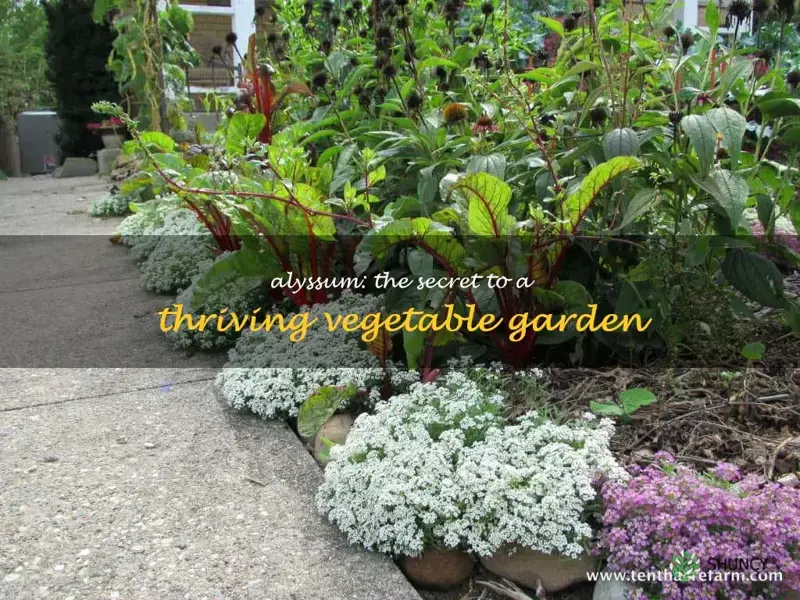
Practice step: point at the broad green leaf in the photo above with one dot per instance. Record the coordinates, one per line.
(731, 195)
(780, 107)
(427, 187)
(577, 203)
(414, 347)
(234, 274)
(582, 67)
(753, 351)
(634, 398)
(703, 136)
(493, 164)
(754, 276)
(620, 142)
(606, 409)
(320, 407)
(243, 128)
(575, 297)
(169, 161)
(732, 126)
(791, 135)
(157, 141)
(639, 205)
(553, 24)
(541, 74)
(432, 237)
(487, 200)
(436, 61)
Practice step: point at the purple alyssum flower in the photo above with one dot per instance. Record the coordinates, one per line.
(730, 522)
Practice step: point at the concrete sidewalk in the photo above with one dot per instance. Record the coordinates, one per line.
(138, 483)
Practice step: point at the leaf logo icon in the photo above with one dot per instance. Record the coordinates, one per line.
(685, 566)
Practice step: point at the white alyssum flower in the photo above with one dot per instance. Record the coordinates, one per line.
(272, 376)
(149, 216)
(440, 465)
(110, 205)
(530, 483)
(393, 486)
(173, 253)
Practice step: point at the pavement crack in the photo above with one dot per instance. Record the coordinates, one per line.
(103, 395)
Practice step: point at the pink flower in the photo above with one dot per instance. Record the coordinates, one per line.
(484, 125)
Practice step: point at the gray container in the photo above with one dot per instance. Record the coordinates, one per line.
(38, 150)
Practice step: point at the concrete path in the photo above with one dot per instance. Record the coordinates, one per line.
(138, 483)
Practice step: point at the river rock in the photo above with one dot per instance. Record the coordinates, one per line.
(335, 429)
(438, 569)
(612, 590)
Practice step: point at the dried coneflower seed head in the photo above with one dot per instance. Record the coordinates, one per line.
(303, 20)
(793, 78)
(286, 36)
(217, 50)
(380, 62)
(414, 100)
(598, 115)
(668, 31)
(675, 117)
(487, 8)
(272, 37)
(440, 72)
(765, 55)
(402, 22)
(349, 13)
(358, 5)
(260, 10)
(383, 31)
(476, 30)
(231, 38)
(401, 3)
(389, 71)
(740, 9)
(336, 21)
(319, 80)
(570, 23)
(454, 112)
(327, 6)
(760, 6)
(326, 46)
(687, 39)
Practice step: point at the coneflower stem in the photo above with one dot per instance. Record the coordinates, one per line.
(399, 94)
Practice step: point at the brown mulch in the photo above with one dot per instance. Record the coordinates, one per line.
(749, 417)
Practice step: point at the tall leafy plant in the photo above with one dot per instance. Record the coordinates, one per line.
(77, 49)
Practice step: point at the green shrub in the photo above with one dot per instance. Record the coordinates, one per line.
(77, 50)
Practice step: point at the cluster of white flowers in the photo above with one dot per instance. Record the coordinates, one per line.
(440, 465)
(392, 486)
(529, 484)
(172, 254)
(110, 205)
(211, 338)
(148, 218)
(259, 376)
